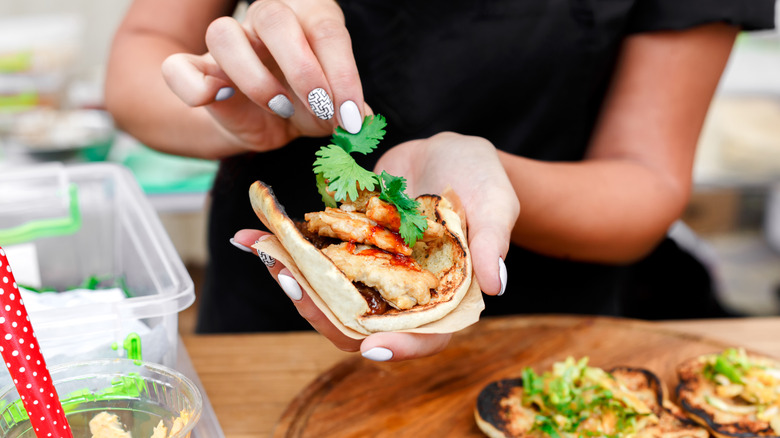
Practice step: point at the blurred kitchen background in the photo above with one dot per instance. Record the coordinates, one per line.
(52, 61)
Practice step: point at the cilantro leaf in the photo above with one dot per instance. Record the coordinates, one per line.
(365, 141)
(413, 224)
(345, 176)
(393, 191)
(322, 188)
(343, 172)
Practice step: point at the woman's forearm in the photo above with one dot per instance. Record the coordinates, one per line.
(636, 179)
(611, 211)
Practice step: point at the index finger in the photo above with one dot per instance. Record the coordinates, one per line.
(278, 27)
(304, 304)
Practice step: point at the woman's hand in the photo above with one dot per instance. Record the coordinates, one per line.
(378, 346)
(471, 167)
(286, 71)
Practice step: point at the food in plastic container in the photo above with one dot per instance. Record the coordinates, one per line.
(137, 398)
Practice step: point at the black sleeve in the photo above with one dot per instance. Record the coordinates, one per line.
(651, 15)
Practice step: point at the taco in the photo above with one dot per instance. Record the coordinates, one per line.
(378, 260)
(577, 400)
(733, 393)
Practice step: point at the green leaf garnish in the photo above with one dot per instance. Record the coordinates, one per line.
(345, 176)
(365, 141)
(570, 394)
(322, 188)
(722, 366)
(547, 425)
(413, 224)
(343, 173)
(732, 363)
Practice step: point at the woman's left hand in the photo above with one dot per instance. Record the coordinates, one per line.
(471, 167)
(378, 346)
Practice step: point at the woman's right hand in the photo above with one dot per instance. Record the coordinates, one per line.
(286, 71)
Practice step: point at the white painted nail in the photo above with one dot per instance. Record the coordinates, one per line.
(320, 104)
(350, 117)
(290, 287)
(502, 275)
(378, 354)
(224, 93)
(240, 246)
(282, 106)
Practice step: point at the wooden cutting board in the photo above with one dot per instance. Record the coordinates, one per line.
(435, 396)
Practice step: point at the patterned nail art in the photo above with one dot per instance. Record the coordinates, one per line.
(266, 258)
(282, 106)
(321, 104)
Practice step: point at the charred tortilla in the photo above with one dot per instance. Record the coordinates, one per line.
(447, 258)
(502, 412)
(732, 393)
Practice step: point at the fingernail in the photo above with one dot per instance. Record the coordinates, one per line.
(290, 287)
(378, 354)
(266, 258)
(502, 275)
(224, 93)
(240, 246)
(282, 106)
(350, 117)
(320, 104)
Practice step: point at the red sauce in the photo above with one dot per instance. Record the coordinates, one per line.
(395, 259)
(395, 222)
(398, 242)
(387, 215)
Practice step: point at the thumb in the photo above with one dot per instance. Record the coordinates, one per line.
(489, 234)
(196, 80)
(489, 246)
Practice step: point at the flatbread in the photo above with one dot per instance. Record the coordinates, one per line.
(698, 396)
(500, 413)
(449, 260)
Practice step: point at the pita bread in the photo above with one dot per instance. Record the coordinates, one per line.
(447, 258)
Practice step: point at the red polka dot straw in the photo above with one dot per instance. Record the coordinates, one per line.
(23, 358)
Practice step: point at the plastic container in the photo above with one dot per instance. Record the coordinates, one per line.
(61, 225)
(139, 394)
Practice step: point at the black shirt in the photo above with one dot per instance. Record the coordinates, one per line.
(528, 75)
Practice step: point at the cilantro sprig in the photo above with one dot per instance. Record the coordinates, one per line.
(338, 173)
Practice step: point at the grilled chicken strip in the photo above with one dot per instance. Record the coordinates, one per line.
(360, 203)
(355, 227)
(399, 279)
(386, 214)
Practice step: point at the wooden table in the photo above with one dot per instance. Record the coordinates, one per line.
(250, 379)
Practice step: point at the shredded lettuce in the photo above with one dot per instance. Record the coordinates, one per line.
(566, 397)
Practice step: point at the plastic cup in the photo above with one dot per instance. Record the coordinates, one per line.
(140, 394)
